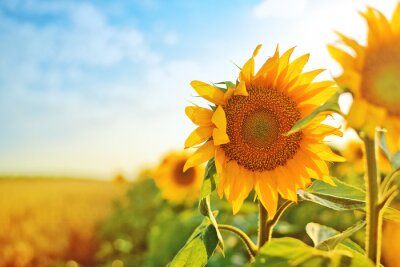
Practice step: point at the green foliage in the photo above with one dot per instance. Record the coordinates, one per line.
(327, 238)
(210, 179)
(141, 224)
(168, 235)
(205, 209)
(199, 247)
(124, 232)
(290, 252)
(342, 197)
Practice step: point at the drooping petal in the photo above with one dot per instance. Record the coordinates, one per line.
(200, 116)
(324, 152)
(202, 154)
(199, 135)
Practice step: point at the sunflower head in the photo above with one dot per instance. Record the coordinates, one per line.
(177, 185)
(372, 74)
(245, 131)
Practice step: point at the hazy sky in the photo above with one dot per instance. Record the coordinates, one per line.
(93, 87)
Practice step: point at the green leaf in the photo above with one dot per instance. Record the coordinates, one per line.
(210, 179)
(227, 84)
(331, 105)
(340, 197)
(326, 238)
(199, 247)
(205, 209)
(290, 252)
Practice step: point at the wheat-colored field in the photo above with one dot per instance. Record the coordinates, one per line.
(44, 221)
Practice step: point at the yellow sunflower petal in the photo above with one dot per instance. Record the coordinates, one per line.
(358, 114)
(321, 130)
(284, 59)
(297, 65)
(324, 152)
(346, 60)
(395, 21)
(229, 93)
(200, 116)
(318, 96)
(220, 137)
(241, 89)
(208, 92)
(269, 64)
(240, 187)
(267, 194)
(308, 77)
(358, 49)
(198, 136)
(247, 72)
(270, 76)
(202, 154)
(285, 185)
(219, 118)
(351, 80)
(220, 159)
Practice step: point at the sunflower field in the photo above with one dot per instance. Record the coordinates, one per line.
(284, 164)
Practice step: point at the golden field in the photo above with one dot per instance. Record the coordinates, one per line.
(45, 222)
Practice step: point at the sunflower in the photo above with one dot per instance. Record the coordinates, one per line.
(176, 185)
(372, 74)
(245, 131)
(355, 156)
(390, 243)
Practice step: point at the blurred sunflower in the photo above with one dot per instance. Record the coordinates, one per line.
(176, 185)
(372, 74)
(390, 243)
(245, 131)
(354, 154)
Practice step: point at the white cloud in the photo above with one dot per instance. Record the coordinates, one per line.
(279, 9)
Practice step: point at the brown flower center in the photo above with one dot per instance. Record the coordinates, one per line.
(184, 178)
(255, 126)
(381, 78)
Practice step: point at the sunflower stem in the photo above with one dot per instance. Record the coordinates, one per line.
(251, 247)
(374, 219)
(264, 232)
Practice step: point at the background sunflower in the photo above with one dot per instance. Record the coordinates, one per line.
(177, 185)
(372, 74)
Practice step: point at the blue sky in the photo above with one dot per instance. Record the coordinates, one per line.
(88, 88)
